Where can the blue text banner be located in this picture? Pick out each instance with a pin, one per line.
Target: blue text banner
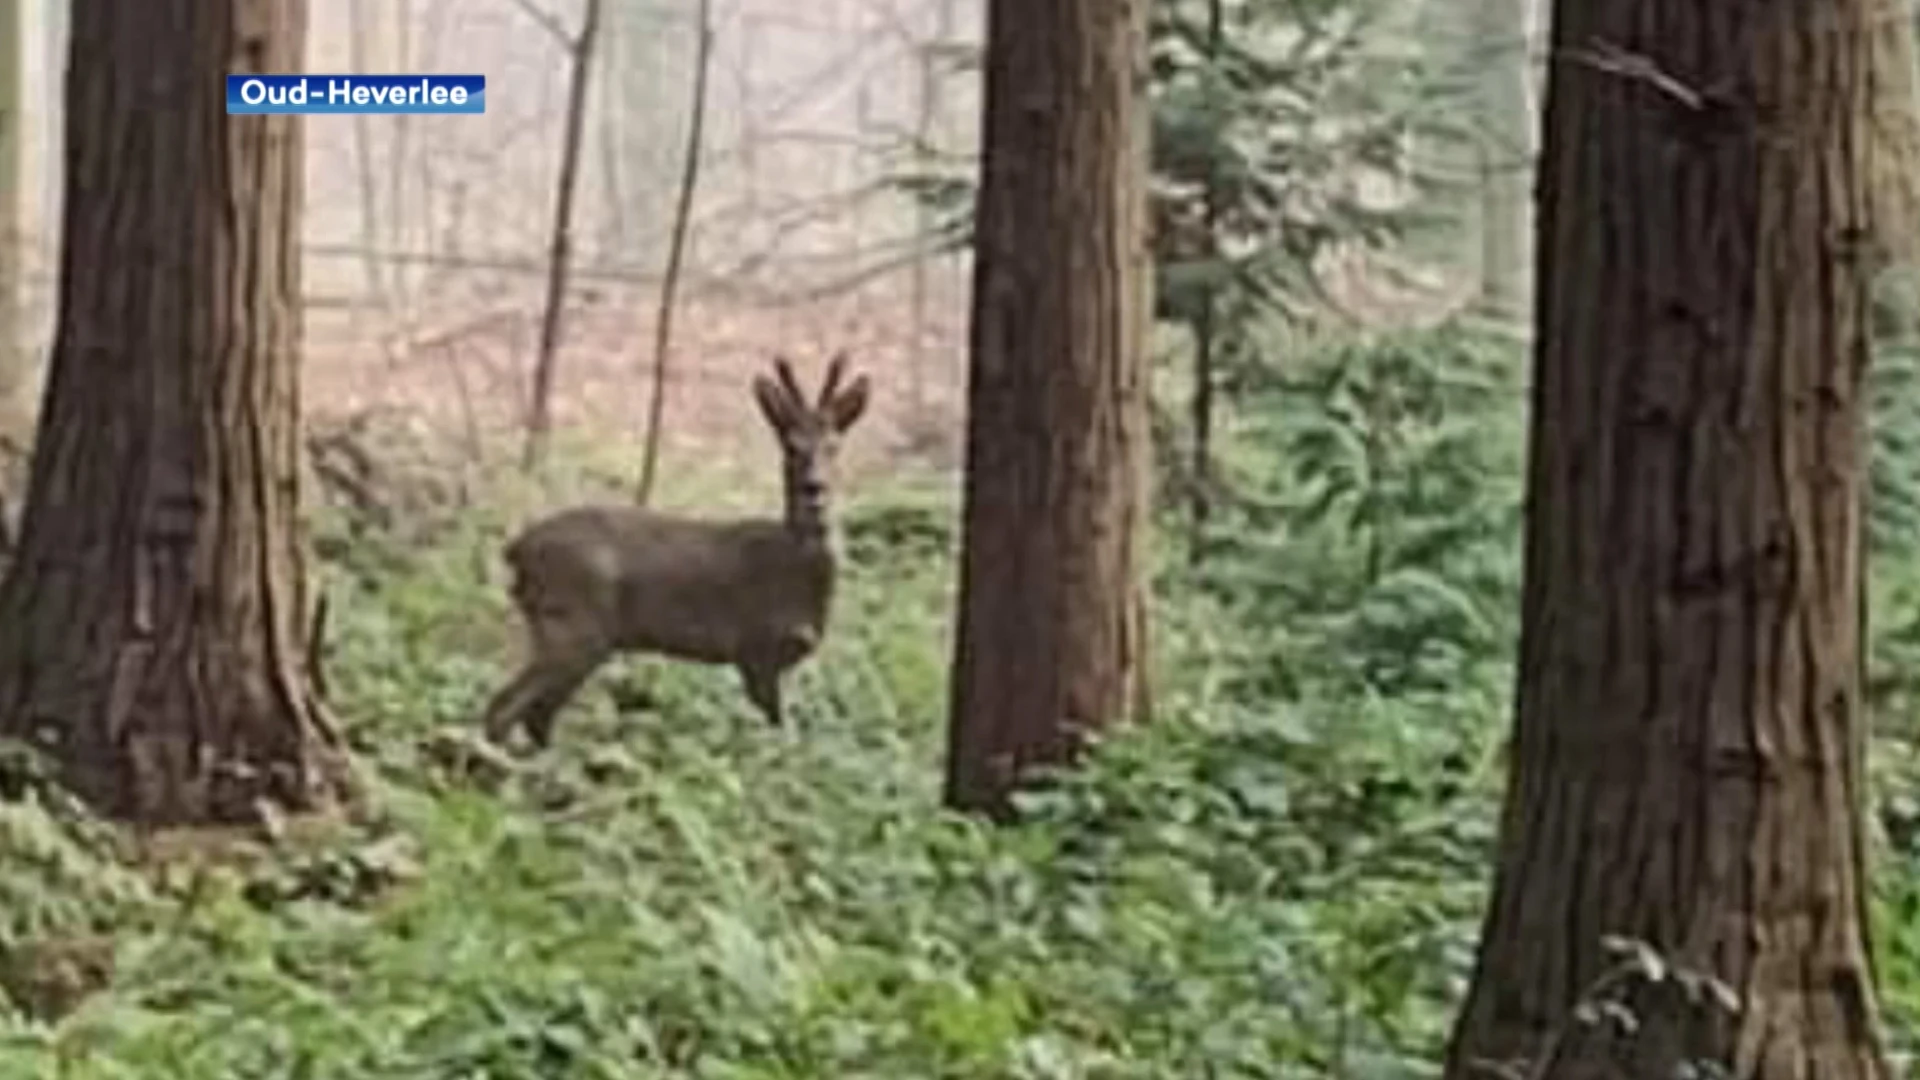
(303, 95)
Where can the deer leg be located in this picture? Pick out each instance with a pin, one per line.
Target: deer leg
(763, 689)
(543, 707)
(564, 651)
(504, 710)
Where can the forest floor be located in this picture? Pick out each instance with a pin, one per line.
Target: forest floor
(1280, 878)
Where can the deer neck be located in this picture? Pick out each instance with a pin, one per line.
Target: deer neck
(810, 527)
(813, 549)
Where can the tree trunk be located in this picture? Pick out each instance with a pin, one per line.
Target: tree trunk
(14, 178)
(372, 235)
(1206, 328)
(650, 78)
(560, 245)
(403, 218)
(57, 23)
(927, 115)
(1896, 211)
(153, 625)
(746, 102)
(1896, 208)
(1505, 148)
(676, 252)
(1689, 730)
(615, 228)
(1051, 629)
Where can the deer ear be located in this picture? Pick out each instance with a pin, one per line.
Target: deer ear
(848, 405)
(773, 403)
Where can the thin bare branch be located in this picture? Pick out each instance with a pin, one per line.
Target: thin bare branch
(540, 415)
(1612, 59)
(858, 278)
(683, 212)
(615, 274)
(550, 23)
(363, 159)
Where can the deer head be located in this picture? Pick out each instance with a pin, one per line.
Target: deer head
(809, 434)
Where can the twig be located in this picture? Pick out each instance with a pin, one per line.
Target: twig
(1612, 59)
(864, 276)
(449, 350)
(620, 275)
(551, 23)
(449, 335)
(676, 248)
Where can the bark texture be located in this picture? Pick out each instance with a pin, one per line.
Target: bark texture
(1051, 631)
(1689, 725)
(152, 628)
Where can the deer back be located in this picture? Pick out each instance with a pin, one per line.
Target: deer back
(695, 589)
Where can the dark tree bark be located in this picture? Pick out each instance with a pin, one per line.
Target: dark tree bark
(153, 626)
(1206, 332)
(1051, 628)
(1689, 730)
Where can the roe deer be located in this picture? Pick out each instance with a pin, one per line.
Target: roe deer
(593, 581)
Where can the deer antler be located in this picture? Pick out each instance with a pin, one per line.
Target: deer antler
(784, 368)
(836, 370)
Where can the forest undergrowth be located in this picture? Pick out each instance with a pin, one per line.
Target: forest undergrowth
(1280, 877)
